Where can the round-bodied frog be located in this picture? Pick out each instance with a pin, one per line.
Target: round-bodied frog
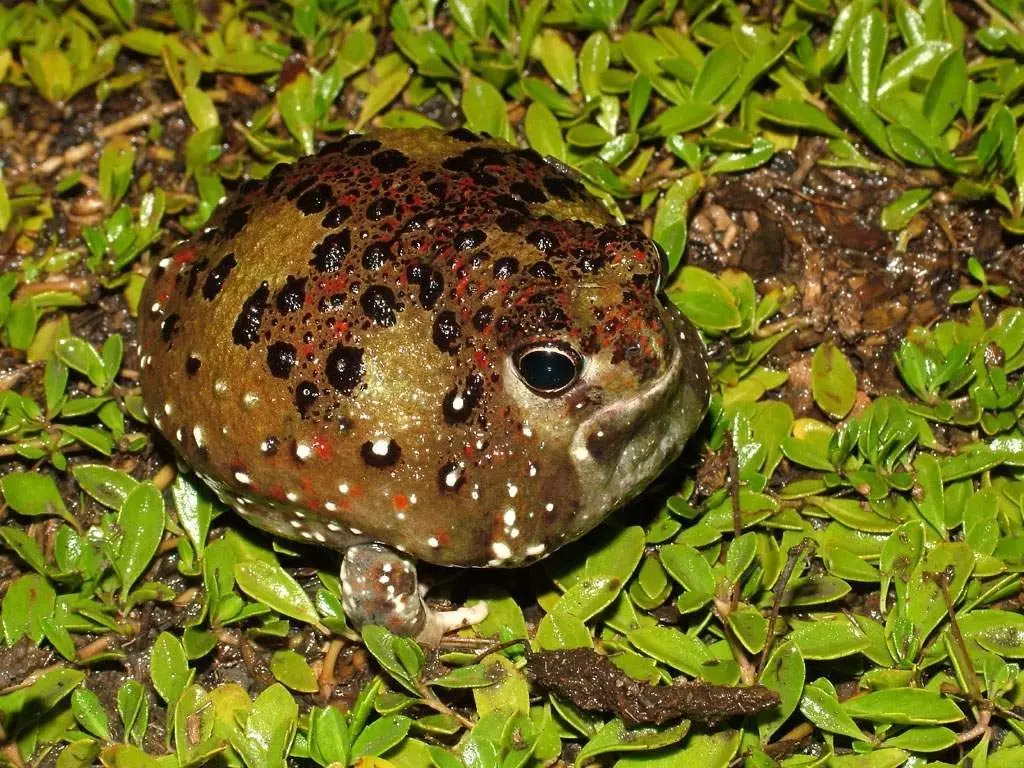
(419, 345)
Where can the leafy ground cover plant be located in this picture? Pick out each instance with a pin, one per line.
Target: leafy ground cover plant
(847, 183)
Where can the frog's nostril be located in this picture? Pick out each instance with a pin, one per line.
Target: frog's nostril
(549, 369)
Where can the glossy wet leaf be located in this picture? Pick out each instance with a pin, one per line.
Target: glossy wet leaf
(270, 584)
(832, 638)
(169, 668)
(704, 299)
(141, 521)
(924, 739)
(194, 508)
(484, 109)
(380, 736)
(797, 114)
(268, 729)
(90, 713)
(508, 690)
(999, 631)
(33, 494)
(108, 486)
(900, 211)
(615, 737)
(543, 131)
(385, 648)
(820, 705)
(903, 706)
(784, 673)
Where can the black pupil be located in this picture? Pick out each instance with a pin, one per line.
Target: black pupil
(547, 370)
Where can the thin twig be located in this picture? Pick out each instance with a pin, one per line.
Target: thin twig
(780, 590)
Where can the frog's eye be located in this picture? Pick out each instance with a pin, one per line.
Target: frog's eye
(549, 369)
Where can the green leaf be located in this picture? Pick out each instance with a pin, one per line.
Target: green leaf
(558, 59)
(670, 220)
(897, 214)
(297, 106)
(34, 494)
(903, 706)
(731, 162)
(194, 506)
(721, 67)
(25, 546)
(677, 649)
(945, 94)
(380, 736)
(833, 381)
(169, 668)
(291, 669)
(784, 673)
(616, 737)
(509, 691)
(385, 647)
(485, 109)
(271, 585)
(141, 521)
(865, 54)
(595, 56)
(858, 112)
(543, 132)
(1001, 632)
(798, 114)
(820, 705)
(27, 603)
(329, 736)
(33, 701)
(705, 300)
(832, 638)
(383, 93)
(80, 356)
(269, 729)
(133, 709)
(924, 739)
(90, 713)
(194, 719)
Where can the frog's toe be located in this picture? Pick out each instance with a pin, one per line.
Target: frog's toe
(379, 586)
(440, 623)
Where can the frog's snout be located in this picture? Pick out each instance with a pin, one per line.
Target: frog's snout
(624, 446)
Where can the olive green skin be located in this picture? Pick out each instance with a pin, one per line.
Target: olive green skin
(398, 275)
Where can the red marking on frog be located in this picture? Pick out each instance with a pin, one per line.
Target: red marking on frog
(323, 448)
(185, 255)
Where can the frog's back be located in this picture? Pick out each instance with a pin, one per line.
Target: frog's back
(328, 353)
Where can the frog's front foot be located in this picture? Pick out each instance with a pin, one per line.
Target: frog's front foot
(379, 586)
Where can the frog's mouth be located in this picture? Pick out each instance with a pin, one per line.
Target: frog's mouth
(621, 448)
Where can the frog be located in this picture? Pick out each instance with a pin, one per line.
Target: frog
(415, 346)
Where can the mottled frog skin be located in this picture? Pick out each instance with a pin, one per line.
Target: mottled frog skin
(424, 342)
